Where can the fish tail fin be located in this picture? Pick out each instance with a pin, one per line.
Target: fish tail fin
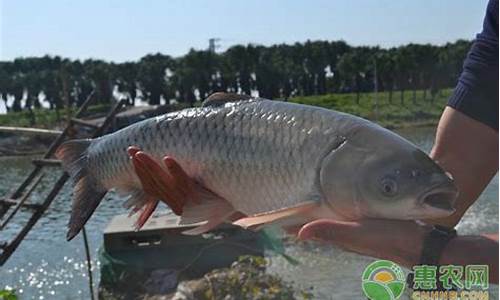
(88, 191)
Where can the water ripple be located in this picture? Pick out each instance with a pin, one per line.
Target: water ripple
(47, 267)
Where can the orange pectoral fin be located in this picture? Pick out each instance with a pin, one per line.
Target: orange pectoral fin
(157, 182)
(148, 209)
(253, 222)
(172, 185)
(186, 197)
(184, 184)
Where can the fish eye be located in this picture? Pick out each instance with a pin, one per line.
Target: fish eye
(389, 187)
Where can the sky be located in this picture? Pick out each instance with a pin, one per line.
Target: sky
(125, 30)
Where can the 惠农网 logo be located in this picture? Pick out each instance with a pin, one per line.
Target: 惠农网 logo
(383, 280)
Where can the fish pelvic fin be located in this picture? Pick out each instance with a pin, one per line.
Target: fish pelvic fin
(88, 191)
(283, 217)
(213, 213)
(139, 201)
(210, 208)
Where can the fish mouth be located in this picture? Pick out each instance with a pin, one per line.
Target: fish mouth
(442, 197)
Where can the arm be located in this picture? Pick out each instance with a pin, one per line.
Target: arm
(474, 249)
(468, 149)
(467, 136)
(401, 242)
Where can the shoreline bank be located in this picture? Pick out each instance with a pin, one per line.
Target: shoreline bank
(416, 110)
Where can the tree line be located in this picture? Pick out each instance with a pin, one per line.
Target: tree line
(278, 71)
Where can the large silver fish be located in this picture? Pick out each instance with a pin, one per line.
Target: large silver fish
(269, 160)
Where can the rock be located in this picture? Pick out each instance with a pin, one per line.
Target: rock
(245, 279)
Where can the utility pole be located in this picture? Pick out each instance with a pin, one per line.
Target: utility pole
(212, 44)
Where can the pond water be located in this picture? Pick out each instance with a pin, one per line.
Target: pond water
(45, 266)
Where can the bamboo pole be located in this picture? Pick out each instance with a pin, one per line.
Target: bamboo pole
(51, 150)
(29, 131)
(21, 202)
(11, 247)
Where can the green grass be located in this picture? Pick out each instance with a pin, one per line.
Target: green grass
(7, 295)
(45, 118)
(394, 115)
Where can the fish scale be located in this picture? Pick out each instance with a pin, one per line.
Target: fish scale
(212, 145)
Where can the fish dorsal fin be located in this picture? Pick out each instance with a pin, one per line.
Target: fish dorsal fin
(221, 98)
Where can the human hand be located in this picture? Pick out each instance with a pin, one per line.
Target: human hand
(167, 182)
(399, 241)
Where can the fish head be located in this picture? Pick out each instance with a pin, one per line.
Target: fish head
(377, 174)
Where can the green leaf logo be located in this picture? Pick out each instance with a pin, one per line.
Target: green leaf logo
(383, 280)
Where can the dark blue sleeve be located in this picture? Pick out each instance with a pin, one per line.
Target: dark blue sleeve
(476, 93)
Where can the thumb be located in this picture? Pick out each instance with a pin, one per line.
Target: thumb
(326, 230)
